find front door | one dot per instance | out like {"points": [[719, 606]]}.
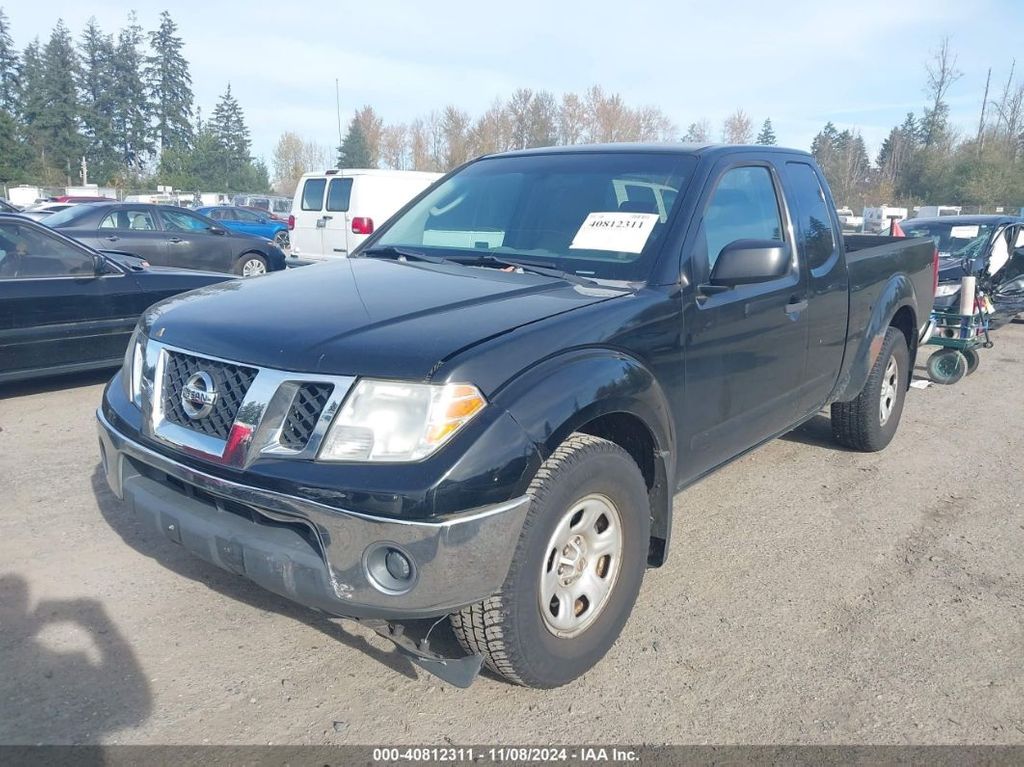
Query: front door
{"points": [[192, 245], [745, 347], [56, 310]]}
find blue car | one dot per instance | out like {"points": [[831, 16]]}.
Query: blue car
{"points": [[248, 221]]}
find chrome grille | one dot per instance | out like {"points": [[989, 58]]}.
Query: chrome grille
{"points": [[306, 408], [230, 381]]}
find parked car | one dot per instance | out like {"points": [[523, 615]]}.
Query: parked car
{"points": [[6, 207], [334, 211], [249, 222], [42, 210], [170, 236], [65, 307], [442, 425], [989, 247], [276, 207]]}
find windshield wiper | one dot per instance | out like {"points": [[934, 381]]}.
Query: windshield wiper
{"points": [[393, 251], [526, 266]]}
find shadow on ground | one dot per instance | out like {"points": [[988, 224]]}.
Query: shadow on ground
{"points": [[68, 677], [182, 562], [54, 383]]}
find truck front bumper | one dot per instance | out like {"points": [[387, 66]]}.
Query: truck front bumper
{"points": [[317, 555]]}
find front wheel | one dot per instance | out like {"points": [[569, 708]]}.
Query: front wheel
{"points": [[869, 422], [947, 366], [576, 571], [251, 265]]}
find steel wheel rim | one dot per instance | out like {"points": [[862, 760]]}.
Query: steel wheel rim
{"points": [[581, 565], [253, 268], [890, 390]]}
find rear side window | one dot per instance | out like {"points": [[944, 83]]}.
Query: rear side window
{"points": [[814, 226], [129, 220], [313, 193], [743, 207], [339, 194]]}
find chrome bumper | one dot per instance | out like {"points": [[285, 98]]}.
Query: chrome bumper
{"points": [[322, 557]]}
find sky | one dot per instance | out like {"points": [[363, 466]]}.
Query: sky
{"points": [[860, 64]]}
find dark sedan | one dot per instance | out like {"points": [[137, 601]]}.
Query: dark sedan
{"points": [[65, 307], [169, 236]]}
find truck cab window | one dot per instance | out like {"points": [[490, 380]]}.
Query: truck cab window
{"points": [[743, 206], [814, 225]]}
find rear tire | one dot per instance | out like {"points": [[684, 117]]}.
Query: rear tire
{"points": [[282, 240], [869, 422], [586, 480]]}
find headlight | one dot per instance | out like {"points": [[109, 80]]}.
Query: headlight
{"points": [[394, 421], [131, 371], [947, 289]]}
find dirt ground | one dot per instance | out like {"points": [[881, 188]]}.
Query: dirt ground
{"points": [[813, 595]]}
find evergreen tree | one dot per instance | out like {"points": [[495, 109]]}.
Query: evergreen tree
{"points": [[8, 68], [169, 85], [14, 153], [767, 134], [227, 147], [130, 107], [56, 125], [353, 152], [97, 87]]}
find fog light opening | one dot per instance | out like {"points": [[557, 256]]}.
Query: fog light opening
{"points": [[389, 568]]}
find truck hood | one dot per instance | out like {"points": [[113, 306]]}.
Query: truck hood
{"points": [[362, 316]]}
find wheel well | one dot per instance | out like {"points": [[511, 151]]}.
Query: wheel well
{"points": [[903, 321], [633, 435]]}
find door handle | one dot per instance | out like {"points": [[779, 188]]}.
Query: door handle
{"points": [[796, 305], [175, 239], [112, 238]]}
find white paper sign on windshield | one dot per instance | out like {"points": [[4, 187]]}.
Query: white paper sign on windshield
{"points": [[963, 232], [620, 232]]}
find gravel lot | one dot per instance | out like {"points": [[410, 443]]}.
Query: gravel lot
{"points": [[813, 596]]}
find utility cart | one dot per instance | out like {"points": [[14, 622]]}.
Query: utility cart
{"points": [[960, 336]]}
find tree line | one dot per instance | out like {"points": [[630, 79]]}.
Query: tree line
{"points": [[118, 108], [925, 159]]}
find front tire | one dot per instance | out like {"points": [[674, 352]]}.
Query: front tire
{"points": [[251, 265], [869, 422], [576, 571]]}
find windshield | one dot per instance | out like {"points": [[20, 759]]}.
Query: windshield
{"points": [[597, 215], [67, 215], [952, 239]]}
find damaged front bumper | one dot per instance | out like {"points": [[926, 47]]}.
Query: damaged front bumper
{"points": [[320, 556]]}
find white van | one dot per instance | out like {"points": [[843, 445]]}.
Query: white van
{"points": [[335, 210], [877, 220]]}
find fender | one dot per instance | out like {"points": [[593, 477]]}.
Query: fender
{"points": [[862, 351], [572, 390]]}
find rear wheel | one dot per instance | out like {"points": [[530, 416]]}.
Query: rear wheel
{"points": [[869, 422], [281, 239], [251, 265], [576, 571], [947, 366]]}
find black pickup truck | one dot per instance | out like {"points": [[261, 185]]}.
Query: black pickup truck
{"points": [[485, 413]]}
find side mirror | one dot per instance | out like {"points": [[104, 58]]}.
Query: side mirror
{"points": [[216, 229], [100, 266], [746, 262]]}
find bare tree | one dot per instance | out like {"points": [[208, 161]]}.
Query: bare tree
{"points": [[543, 120], [653, 125], [492, 132], [394, 142], [419, 145], [518, 109], [698, 132], [455, 128], [738, 128], [572, 119], [942, 73], [293, 156]]}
